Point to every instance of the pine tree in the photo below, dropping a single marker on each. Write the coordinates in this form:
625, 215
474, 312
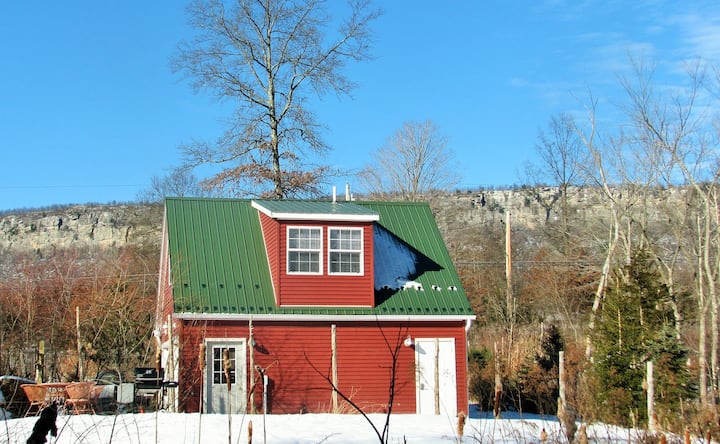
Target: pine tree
635, 326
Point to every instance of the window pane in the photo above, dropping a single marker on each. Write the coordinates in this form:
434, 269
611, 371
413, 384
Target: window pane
345, 239
303, 262
344, 262
345, 246
218, 365
304, 246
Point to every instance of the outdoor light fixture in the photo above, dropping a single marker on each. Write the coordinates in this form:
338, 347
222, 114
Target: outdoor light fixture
408, 342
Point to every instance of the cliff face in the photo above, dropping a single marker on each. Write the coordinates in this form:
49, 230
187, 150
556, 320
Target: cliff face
115, 226
81, 227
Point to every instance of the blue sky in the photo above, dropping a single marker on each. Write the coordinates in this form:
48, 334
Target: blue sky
90, 110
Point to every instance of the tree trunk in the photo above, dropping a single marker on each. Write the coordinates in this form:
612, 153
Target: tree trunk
652, 426
702, 335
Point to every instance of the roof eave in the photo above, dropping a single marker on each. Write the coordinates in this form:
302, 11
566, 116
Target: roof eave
316, 216
317, 317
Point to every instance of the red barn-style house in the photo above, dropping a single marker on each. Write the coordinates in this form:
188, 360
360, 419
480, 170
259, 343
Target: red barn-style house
300, 306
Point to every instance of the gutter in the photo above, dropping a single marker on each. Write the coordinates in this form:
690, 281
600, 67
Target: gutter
319, 318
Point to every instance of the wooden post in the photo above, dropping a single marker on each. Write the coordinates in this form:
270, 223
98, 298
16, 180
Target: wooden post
333, 345
266, 380
510, 297
226, 365
251, 352
436, 376
170, 375
652, 426
201, 366
40, 362
508, 267
498, 385
81, 367
561, 384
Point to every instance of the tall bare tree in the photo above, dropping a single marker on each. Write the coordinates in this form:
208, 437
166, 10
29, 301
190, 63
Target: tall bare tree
413, 162
679, 130
611, 169
180, 182
560, 153
266, 57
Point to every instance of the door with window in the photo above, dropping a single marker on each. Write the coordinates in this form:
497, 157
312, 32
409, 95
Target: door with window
226, 368
436, 386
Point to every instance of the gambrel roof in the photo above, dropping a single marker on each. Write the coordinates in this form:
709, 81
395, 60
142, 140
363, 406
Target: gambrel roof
219, 267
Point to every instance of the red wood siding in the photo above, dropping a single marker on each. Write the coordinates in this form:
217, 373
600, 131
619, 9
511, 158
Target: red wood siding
326, 289
364, 362
297, 359
165, 297
271, 234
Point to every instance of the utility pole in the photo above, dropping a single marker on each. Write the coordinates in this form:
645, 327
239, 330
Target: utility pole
81, 367
510, 298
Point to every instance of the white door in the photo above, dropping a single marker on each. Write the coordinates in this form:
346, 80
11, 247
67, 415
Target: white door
435, 383
218, 399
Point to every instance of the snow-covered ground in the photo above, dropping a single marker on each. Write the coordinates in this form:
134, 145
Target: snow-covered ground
179, 428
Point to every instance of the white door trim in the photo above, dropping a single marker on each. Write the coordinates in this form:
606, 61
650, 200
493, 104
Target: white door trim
238, 388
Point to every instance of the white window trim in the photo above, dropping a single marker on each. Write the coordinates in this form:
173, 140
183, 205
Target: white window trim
288, 250
361, 251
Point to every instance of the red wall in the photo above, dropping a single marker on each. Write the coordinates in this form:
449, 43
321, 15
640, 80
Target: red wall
164, 303
271, 235
297, 359
317, 290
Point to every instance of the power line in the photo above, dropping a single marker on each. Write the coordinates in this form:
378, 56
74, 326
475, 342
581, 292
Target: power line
39, 187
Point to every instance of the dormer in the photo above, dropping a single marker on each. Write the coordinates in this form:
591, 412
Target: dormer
320, 254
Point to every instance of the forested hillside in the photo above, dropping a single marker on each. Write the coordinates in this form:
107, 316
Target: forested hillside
613, 278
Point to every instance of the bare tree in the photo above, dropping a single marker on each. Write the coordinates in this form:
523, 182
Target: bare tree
414, 162
679, 133
394, 348
610, 170
266, 57
179, 183
560, 153
668, 139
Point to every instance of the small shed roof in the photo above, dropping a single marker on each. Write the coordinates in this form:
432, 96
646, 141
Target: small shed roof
219, 264
315, 210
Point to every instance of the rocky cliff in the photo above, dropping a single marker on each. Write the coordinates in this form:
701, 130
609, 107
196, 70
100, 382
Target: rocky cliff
114, 226
80, 226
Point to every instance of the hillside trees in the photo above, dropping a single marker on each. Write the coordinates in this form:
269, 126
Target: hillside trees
33, 305
667, 139
114, 291
414, 162
118, 302
678, 134
267, 57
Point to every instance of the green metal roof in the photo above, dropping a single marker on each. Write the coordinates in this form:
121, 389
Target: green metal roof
219, 264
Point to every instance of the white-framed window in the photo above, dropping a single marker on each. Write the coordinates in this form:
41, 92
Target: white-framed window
345, 251
218, 365
304, 250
